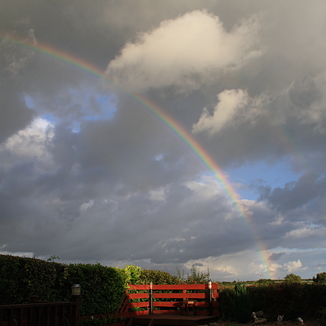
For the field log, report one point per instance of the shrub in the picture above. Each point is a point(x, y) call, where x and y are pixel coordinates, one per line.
point(157, 277)
point(20, 278)
point(322, 318)
point(264, 282)
point(133, 274)
point(242, 308)
point(292, 278)
point(320, 278)
point(196, 276)
point(102, 287)
point(226, 303)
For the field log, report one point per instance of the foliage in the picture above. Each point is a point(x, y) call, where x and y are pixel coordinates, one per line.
point(226, 303)
point(292, 278)
point(320, 278)
point(102, 287)
point(195, 276)
point(261, 297)
point(322, 318)
point(21, 278)
point(264, 282)
point(133, 274)
point(288, 299)
point(157, 277)
point(242, 308)
point(53, 258)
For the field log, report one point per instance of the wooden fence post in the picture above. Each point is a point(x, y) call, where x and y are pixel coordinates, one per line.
point(210, 298)
point(151, 297)
point(76, 296)
point(76, 310)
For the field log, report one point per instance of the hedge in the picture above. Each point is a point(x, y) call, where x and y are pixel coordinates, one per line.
point(291, 300)
point(20, 278)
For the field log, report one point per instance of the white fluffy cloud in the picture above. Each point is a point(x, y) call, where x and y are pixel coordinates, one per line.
point(293, 266)
point(234, 106)
point(33, 142)
point(182, 51)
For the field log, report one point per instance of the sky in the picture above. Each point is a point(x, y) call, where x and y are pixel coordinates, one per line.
point(165, 134)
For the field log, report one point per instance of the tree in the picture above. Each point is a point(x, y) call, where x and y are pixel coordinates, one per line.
point(264, 282)
point(320, 278)
point(292, 278)
point(195, 276)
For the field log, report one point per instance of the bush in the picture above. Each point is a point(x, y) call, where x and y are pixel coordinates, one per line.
point(157, 277)
point(226, 303)
point(322, 318)
point(264, 282)
point(133, 274)
point(320, 278)
point(102, 287)
point(292, 278)
point(21, 278)
point(195, 276)
point(242, 308)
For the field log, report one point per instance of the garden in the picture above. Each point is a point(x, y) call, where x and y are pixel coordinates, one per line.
point(103, 289)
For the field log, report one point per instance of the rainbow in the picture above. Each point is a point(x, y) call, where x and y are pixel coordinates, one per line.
point(164, 117)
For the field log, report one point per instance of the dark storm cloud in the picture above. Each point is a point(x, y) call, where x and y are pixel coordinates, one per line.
point(276, 256)
point(295, 194)
point(14, 113)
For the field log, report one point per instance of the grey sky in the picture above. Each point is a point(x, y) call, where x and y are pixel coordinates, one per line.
point(89, 174)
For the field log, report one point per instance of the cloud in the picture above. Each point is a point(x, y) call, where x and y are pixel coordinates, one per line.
point(295, 194)
point(306, 233)
point(293, 266)
point(88, 185)
point(32, 142)
point(184, 52)
point(275, 256)
point(307, 95)
point(85, 206)
point(233, 107)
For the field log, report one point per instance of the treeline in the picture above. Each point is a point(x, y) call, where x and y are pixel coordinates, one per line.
point(320, 278)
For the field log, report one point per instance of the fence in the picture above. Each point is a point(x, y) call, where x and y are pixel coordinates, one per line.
point(170, 299)
point(40, 314)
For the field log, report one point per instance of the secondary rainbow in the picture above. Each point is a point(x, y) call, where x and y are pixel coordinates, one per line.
point(163, 116)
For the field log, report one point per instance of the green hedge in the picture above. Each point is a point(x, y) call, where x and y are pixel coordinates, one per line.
point(291, 300)
point(20, 278)
point(102, 287)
